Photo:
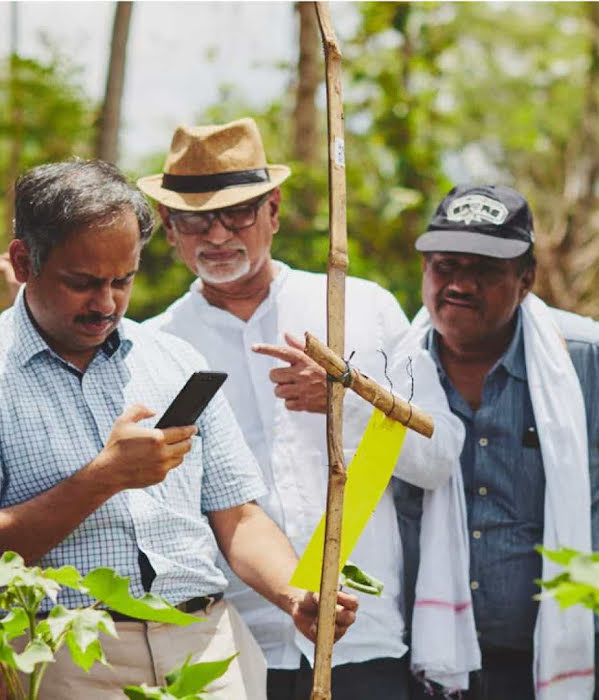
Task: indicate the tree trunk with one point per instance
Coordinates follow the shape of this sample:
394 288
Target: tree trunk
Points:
568 252
110 117
305 115
16 145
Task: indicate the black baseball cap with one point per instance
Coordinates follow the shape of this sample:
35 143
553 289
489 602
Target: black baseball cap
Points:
490 220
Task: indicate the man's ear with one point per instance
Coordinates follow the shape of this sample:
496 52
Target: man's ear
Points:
166 222
20 260
527 281
274 202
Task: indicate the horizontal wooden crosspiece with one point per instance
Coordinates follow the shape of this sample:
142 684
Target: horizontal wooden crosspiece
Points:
390 404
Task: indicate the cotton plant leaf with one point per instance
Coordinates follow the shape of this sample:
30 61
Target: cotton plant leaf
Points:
188 679
559 556
7 653
145 692
85 623
36 652
353 577
183 683
66 576
113 591
14 623
85 658
32 583
577 584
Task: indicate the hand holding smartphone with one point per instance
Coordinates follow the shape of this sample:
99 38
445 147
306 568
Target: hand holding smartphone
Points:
193 398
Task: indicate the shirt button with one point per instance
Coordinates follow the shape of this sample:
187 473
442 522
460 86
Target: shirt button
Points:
482 491
477 534
474 585
483 442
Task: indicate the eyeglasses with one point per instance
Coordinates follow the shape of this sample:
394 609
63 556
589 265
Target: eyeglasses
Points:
235 219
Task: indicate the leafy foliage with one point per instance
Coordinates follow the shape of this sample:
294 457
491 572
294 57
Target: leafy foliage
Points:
185 682
578 584
44 115
435 93
22 590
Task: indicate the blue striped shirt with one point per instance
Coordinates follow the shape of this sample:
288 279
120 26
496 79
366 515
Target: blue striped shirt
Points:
504 482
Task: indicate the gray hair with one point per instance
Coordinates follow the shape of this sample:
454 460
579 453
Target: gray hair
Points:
53 201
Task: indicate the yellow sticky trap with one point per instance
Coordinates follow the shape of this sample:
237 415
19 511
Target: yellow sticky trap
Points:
367 477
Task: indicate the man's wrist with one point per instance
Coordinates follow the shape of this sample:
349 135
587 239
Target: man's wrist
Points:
290 598
96 475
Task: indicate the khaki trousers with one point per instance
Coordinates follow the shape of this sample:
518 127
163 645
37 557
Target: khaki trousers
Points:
145 651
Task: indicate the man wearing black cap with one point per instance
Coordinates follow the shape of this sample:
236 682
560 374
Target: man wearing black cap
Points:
532 433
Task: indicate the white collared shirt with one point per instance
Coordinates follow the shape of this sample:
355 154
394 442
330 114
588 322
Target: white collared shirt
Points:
290 446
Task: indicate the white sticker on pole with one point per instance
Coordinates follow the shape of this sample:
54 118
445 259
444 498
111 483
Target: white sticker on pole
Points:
340 152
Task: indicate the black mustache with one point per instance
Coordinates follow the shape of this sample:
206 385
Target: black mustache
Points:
456 296
95 318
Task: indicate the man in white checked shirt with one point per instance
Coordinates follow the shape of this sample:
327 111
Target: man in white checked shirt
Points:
84 477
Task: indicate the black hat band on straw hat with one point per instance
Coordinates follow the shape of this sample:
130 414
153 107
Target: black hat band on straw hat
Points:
214 183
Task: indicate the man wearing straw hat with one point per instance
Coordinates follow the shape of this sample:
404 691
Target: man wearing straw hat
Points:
522 378
219 202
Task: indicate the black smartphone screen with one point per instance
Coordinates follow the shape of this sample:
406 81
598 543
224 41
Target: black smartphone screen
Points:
192 399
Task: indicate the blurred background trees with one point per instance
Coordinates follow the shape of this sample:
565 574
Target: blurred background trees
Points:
436 94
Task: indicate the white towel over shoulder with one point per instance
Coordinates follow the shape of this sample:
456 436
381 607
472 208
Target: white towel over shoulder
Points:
444 643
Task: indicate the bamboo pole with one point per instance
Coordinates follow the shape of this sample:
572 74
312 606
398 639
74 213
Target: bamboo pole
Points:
390 404
337 267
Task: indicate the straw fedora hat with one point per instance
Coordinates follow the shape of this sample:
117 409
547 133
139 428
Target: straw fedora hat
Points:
210 167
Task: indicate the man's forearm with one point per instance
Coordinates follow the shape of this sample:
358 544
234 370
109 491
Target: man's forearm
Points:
259 553
34 527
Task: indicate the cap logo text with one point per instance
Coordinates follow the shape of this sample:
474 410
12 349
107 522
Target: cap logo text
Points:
478 209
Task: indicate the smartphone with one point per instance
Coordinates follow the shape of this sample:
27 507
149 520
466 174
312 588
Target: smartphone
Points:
192 399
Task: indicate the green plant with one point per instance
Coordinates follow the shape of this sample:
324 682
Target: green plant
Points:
353 577
22 590
184 682
578 584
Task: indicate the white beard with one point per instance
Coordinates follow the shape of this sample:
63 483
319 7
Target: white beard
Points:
220 273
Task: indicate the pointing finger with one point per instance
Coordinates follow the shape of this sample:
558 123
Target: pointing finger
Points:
280 352
294 342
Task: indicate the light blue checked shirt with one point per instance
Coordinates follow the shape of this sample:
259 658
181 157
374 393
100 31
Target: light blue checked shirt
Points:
55 419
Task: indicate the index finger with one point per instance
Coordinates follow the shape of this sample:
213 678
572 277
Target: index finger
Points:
178 433
281 352
347 601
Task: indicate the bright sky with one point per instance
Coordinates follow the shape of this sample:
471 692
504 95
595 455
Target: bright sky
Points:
170 77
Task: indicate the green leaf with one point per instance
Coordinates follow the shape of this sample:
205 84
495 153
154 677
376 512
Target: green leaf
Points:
66 576
7 653
190 679
14 623
85 658
36 652
584 569
85 623
31 582
145 692
560 556
113 590
355 578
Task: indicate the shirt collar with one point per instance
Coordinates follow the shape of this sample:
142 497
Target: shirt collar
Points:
513 359
214 315
29 342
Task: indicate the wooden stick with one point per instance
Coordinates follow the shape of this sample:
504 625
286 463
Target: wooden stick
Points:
337 267
390 404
